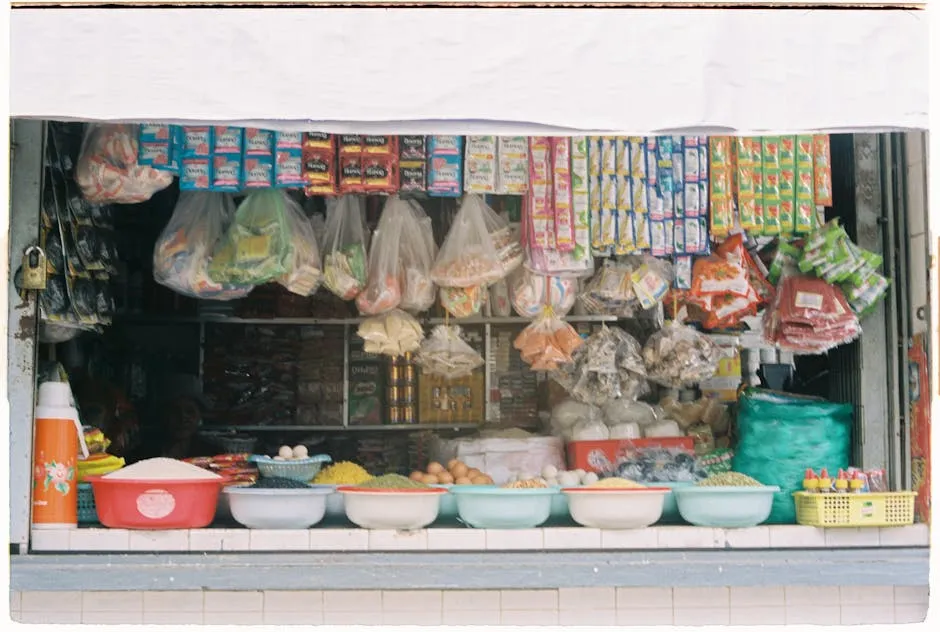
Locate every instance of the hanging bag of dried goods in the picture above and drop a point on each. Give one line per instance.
(107, 169)
(417, 251)
(392, 333)
(547, 342)
(463, 302)
(256, 247)
(181, 254)
(382, 291)
(469, 256)
(303, 274)
(809, 316)
(344, 250)
(506, 241)
(445, 353)
(678, 356)
(531, 292)
(780, 435)
(608, 366)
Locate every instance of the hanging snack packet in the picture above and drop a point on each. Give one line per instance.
(469, 256)
(822, 169)
(417, 251)
(303, 274)
(480, 164)
(547, 343)
(107, 170)
(382, 291)
(412, 164)
(344, 251)
(445, 353)
(677, 356)
(319, 164)
(463, 302)
(445, 166)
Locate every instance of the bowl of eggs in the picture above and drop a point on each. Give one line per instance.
(293, 463)
(456, 473)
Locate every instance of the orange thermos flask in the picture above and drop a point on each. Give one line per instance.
(58, 439)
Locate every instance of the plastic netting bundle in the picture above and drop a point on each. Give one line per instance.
(781, 435)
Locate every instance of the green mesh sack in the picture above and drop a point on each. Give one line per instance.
(780, 435)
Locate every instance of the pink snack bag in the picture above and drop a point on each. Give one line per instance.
(542, 234)
(561, 190)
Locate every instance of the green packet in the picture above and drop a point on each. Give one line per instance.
(786, 258)
(716, 462)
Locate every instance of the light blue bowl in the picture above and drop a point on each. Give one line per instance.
(560, 511)
(486, 507)
(670, 506)
(448, 510)
(726, 507)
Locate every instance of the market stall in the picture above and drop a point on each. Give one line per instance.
(349, 335)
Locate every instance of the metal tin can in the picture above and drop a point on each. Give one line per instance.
(394, 395)
(394, 374)
(394, 415)
(408, 375)
(408, 394)
(407, 414)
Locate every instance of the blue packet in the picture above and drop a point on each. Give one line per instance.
(258, 172)
(153, 133)
(259, 143)
(227, 172)
(196, 174)
(288, 140)
(289, 168)
(227, 140)
(683, 268)
(197, 142)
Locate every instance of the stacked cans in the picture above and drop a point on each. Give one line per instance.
(401, 393)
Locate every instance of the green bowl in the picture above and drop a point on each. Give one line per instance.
(487, 507)
(448, 510)
(670, 506)
(725, 507)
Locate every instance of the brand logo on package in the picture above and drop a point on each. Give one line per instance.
(156, 504)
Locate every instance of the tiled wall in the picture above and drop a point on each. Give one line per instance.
(831, 605)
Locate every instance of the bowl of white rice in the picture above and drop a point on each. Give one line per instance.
(157, 493)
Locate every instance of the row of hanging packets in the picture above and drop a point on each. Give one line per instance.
(648, 195)
(221, 158)
(496, 164)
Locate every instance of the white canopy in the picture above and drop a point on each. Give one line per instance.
(625, 71)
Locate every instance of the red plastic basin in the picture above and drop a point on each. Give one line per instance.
(155, 504)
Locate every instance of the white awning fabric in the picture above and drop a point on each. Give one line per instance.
(505, 71)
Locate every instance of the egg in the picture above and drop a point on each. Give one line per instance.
(568, 479)
(549, 471)
(279, 458)
(590, 478)
(463, 480)
(435, 468)
(552, 482)
(580, 473)
(429, 479)
(452, 464)
(285, 452)
(416, 475)
(300, 451)
(473, 472)
(460, 470)
(445, 478)
(480, 480)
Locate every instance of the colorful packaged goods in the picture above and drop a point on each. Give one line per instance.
(319, 164)
(480, 164)
(445, 166)
(809, 316)
(512, 177)
(822, 170)
(412, 164)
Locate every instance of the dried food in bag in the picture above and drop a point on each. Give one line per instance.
(344, 249)
(678, 356)
(303, 274)
(499, 299)
(256, 247)
(181, 254)
(809, 316)
(610, 291)
(463, 302)
(382, 291)
(445, 353)
(469, 256)
(417, 251)
(393, 333)
(531, 293)
(608, 366)
(547, 343)
(107, 169)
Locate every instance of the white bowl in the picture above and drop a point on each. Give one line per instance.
(277, 508)
(612, 508)
(399, 509)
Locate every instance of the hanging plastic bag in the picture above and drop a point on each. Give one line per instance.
(382, 291)
(303, 275)
(469, 256)
(393, 333)
(678, 356)
(499, 299)
(417, 251)
(445, 353)
(181, 254)
(463, 302)
(256, 247)
(547, 343)
(531, 292)
(506, 242)
(107, 169)
(608, 366)
(344, 250)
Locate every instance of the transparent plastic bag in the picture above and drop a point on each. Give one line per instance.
(608, 366)
(383, 291)
(393, 333)
(678, 356)
(500, 299)
(445, 353)
(590, 430)
(256, 247)
(569, 412)
(107, 169)
(625, 411)
(506, 241)
(531, 293)
(344, 249)
(417, 251)
(181, 254)
(469, 256)
(303, 275)
(547, 343)
(463, 302)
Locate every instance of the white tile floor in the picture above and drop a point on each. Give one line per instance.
(743, 606)
(451, 539)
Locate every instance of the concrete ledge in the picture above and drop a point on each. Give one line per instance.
(468, 570)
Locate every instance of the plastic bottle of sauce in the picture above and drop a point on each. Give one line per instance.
(825, 483)
(842, 483)
(810, 482)
(857, 484)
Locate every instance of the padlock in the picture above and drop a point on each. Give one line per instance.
(34, 269)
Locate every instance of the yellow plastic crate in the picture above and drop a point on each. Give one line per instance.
(889, 509)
